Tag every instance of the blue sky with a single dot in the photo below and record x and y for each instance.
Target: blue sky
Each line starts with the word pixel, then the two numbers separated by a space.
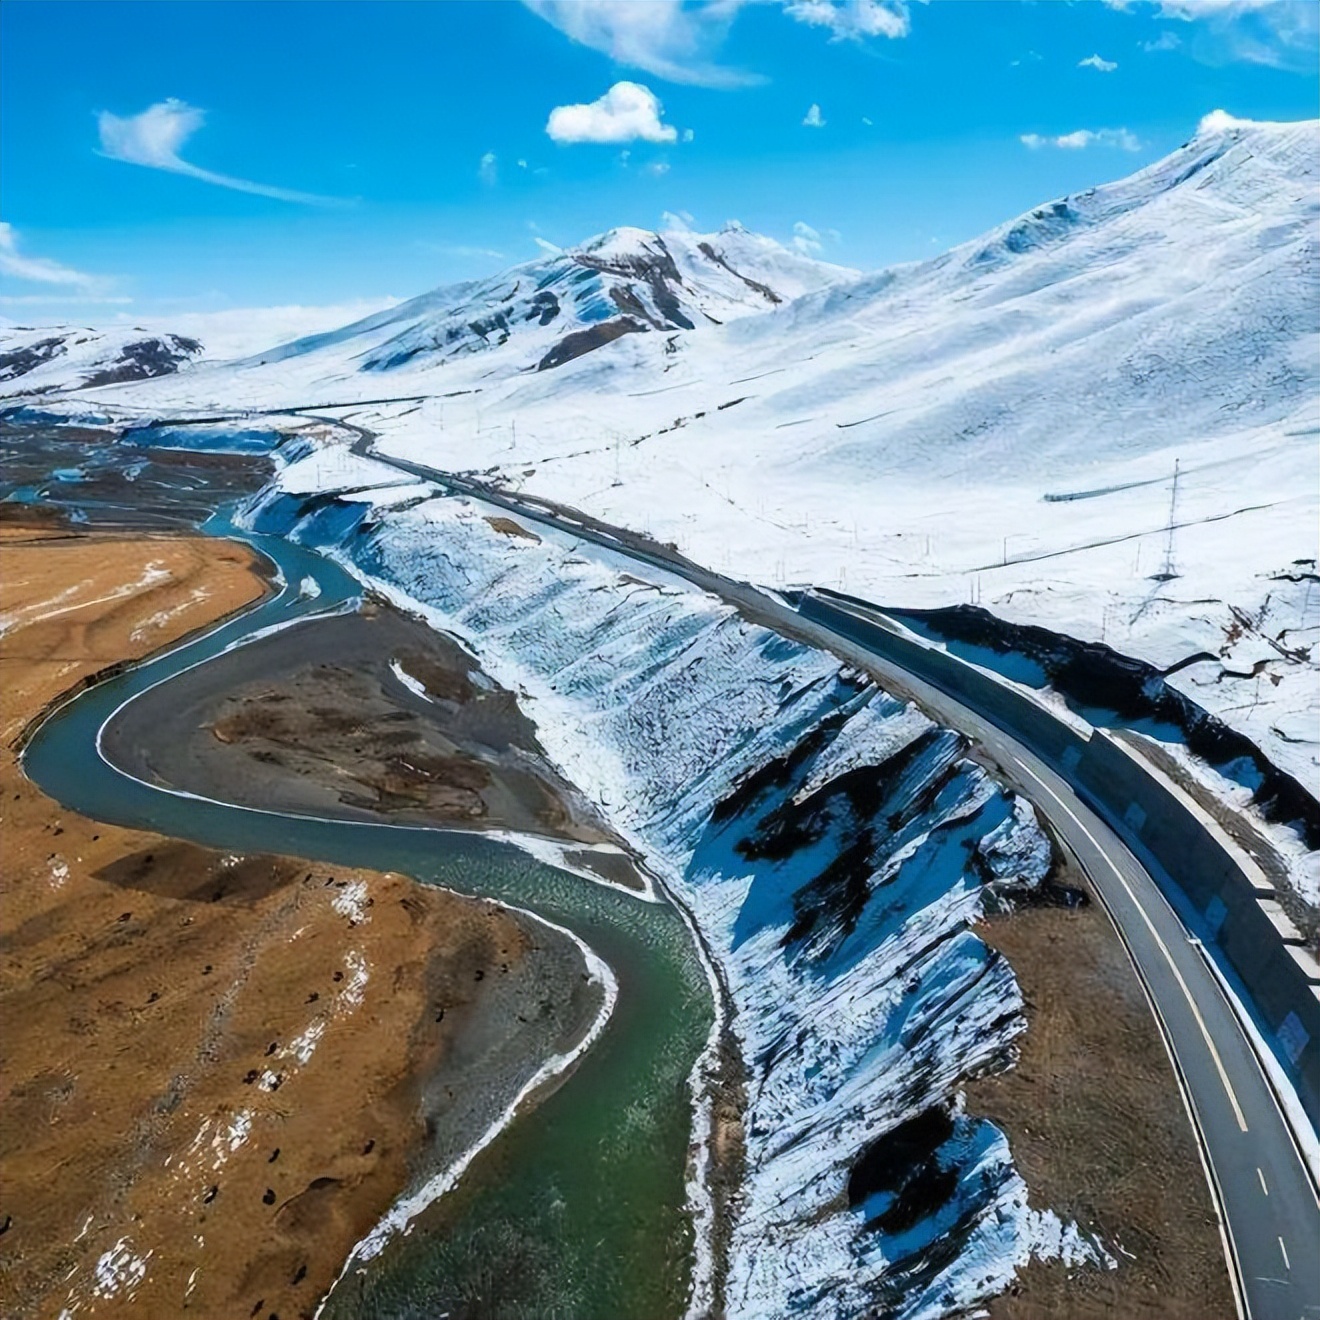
pixel 198 156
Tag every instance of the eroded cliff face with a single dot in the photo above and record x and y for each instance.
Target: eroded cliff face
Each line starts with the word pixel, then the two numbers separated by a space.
pixel 833 846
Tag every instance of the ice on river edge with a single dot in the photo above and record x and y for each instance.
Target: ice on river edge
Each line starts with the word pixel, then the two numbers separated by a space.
pixel 659 702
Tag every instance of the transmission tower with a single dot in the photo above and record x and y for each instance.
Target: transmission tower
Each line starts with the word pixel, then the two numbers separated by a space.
pixel 1169 571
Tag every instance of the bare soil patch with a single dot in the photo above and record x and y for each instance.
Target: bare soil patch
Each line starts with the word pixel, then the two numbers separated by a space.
pixel 1098 1129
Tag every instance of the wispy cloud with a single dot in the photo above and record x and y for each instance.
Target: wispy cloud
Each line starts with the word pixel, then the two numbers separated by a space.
pixel 64 300
pixel 626 113
pixel 1083 138
pixel 488 169
pixel 805 238
pixel 1281 34
pixel 155 137
pixel 42 270
pixel 854 20
pixel 459 249
pixel 813 118
pixel 680 40
pixel 1098 63
pixel 671 39
pixel 1165 41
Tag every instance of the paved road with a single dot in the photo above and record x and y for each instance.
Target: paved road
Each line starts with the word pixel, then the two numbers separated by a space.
pixel 1269 1208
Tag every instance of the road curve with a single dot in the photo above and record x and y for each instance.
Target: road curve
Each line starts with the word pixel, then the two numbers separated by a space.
pixel 1269 1210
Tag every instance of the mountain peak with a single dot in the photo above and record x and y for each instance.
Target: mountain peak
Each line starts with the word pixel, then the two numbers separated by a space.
pixel 564 304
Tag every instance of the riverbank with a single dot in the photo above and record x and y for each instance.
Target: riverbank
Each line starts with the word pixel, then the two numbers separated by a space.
pixel 370 716
pixel 219 1071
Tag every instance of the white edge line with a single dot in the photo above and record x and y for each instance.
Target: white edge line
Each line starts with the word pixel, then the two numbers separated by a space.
pixel 1189 1104
pixel 1159 941
pixel 1276 1080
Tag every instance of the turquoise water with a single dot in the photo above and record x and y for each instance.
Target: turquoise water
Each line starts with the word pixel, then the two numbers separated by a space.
pixel 577 1210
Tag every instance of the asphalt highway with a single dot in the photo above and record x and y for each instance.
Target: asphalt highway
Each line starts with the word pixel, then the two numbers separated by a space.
pixel 1269 1210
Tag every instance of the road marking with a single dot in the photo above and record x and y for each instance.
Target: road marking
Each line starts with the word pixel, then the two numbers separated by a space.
pixel 1287 1264
pixel 1155 935
pixel 1261 1176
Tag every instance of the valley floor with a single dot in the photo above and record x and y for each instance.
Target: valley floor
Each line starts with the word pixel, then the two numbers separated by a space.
pixel 213 1064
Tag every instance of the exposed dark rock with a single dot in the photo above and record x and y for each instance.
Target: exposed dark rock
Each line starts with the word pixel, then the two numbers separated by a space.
pixel 545 305
pixel 886 1163
pixel 653 265
pixel 19 361
pixel 577 343
pixel 146 358
pixel 1091 674
pixel 756 286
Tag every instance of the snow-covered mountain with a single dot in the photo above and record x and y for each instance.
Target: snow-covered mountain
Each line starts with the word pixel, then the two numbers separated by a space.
pixel 36 360
pixel 561 306
pixel 1000 423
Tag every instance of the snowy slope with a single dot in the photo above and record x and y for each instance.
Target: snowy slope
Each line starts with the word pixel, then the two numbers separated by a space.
pixel 1000 423
pixel 35 360
pixel 835 849
pixel 560 307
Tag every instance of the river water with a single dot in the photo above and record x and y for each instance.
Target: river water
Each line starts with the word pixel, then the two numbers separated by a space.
pixel 578 1208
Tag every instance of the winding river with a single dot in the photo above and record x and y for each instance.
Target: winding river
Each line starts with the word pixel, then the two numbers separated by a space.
pixel 578 1208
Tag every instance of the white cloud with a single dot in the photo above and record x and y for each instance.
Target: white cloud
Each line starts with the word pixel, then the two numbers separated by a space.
pixel 488 169
pixel 547 246
pixel 38 270
pixel 626 112
pixel 658 167
pixel 155 137
pixel 671 39
pixel 1098 63
pixel 1193 9
pixel 813 118
pixel 853 20
pixel 1165 41
pixel 241 331
pixel 679 40
pixel 806 239
pixel 687 135
pixel 1085 137
pixel 1281 34
pixel 62 300
pixel 1218 121
pixel 682 221
pixel 459 249
pixel 867 122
